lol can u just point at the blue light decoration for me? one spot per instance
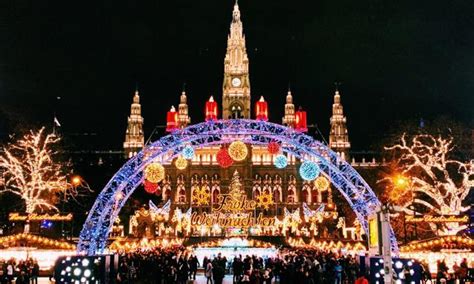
(309, 170)
(280, 161)
(188, 152)
(46, 224)
(95, 231)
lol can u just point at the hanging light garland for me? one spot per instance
(238, 151)
(273, 148)
(280, 161)
(188, 152)
(322, 183)
(154, 172)
(150, 187)
(223, 158)
(181, 163)
(309, 170)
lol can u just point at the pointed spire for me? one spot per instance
(134, 138)
(236, 12)
(338, 135)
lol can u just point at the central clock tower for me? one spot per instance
(236, 85)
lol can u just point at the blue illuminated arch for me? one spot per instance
(359, 195)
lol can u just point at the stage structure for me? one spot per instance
(314, 157)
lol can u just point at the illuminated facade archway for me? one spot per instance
(359, 195)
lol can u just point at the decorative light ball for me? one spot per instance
(155, 172)
(181, 163)
(309, 170)
(188, 152)
(238, 151)
(322, 183)
(150, 187)
(223, 158)
(280, 161)
(273, 148)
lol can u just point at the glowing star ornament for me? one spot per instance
(280, 161)
(201, 196)
(154, 172)
(188, 152)
(223, 158)
(322, 183)
(265, 200)
(150, 187)
(273, 148)
(238, 151)
(309, 170)
(181, 163)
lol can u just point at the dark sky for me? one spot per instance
(395, 59)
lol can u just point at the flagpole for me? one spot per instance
(55, 120)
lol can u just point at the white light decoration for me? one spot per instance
(31, 172)
(426, 161)
(280, 161)
(309, 170)
(399, 264)
(85, 262)
(77, 271)
(87, 273)
(188, 152)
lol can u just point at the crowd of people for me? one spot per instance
(19, 272)
(178, 266)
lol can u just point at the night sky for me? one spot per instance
(396, 60)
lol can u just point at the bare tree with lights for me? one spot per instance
(31, 172)
(434, 182)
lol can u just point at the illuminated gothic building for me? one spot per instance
(256, 172)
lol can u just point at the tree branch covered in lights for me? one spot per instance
(435, 182)
(31, 172)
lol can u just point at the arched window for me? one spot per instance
(236, 111)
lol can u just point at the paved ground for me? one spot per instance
(200, 280)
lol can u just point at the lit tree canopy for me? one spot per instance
(439, 184)
(30, 171)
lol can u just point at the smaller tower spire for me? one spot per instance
(289, 118)
(183, 114)
(338, 136)
(134, 137)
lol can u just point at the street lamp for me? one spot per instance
(402, 182)
(76, 181)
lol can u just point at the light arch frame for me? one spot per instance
(359, 195)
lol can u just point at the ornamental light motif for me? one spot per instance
(211, 109)
(309, 170)
(154, 172)
(238, 151)
(171, 120)
(181, 163)
(261, 109)
(188, 152)
(300, 121)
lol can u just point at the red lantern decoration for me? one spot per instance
(171, 120)
(273, 148)
(150, 187)
(261, 109)
(211, 109)
(223, 158)
(300, 121)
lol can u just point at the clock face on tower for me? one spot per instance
(236, 82)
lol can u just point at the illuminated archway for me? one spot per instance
(359, 195)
